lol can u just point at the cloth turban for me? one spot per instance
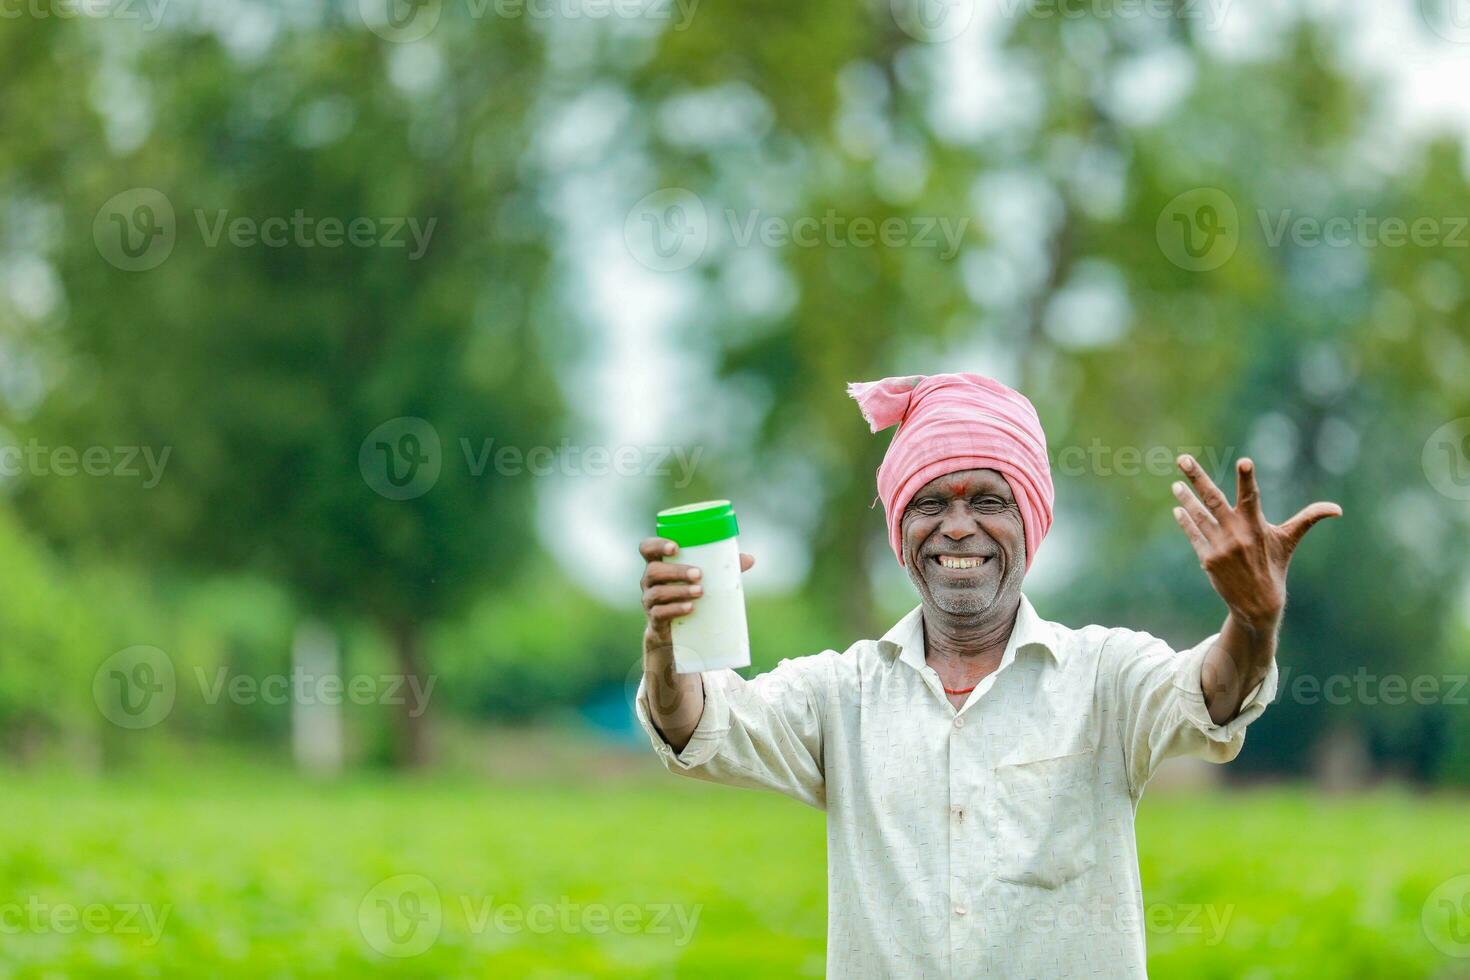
(952, 422)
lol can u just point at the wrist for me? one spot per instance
(1257, 622)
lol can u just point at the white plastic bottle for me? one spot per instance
(714, 636)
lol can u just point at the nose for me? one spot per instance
(955, 525)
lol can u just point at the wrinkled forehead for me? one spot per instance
(966, 483)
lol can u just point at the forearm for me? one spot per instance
(675, 701)
(1238, 662)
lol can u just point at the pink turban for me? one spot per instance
(952, 422)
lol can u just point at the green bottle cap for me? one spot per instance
(701, 523)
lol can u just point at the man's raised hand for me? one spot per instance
(670, 591)
(1244, 556)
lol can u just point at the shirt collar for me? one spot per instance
(905, 641)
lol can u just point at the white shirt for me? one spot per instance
(996, 840)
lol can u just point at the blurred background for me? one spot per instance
(347, 349)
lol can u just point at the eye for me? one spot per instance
(928, 506)
(990, 504)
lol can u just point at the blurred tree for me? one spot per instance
(307, 386)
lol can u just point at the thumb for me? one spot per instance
(746, 561)
(1297, 527)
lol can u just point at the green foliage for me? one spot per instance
(50, 637)
(254, 875)
(517, 652)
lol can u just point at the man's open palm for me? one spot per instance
(1244, 555)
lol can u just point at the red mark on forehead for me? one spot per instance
(959, 488)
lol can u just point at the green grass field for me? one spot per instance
(248, 873)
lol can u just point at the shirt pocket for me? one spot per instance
(1045, 819)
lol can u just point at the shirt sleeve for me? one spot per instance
(762, 733)
(1159, 702)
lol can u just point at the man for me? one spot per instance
(979, 766)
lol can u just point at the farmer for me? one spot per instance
(980, 765)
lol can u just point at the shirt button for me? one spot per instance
(959, 721)
(960, 910)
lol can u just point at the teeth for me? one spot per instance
(950, 562)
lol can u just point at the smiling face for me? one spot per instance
(964, 544)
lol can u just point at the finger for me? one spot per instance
(659, 594)
(655, 549)
(746, 561)
(1205, 487)
(1192, 532)
(1203, 522)
(1296, 528)
(1247, 493)
(663, 571)
(670, 611)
